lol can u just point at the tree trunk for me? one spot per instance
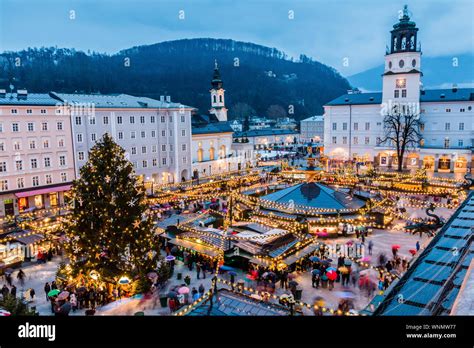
(400, 163)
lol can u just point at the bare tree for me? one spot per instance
(402, 129)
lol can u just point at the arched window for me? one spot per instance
(222, 152)
(220, 98)
(200, 155)
(412, 42)
(404, 43)
(214, 98)
(211, 154)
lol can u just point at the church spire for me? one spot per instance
(404, 33)
(216, 78)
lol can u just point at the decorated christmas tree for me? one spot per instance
(110, 232)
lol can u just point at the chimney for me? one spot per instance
(168, 99)
(3, 93)
(162, 98)
(21, 93)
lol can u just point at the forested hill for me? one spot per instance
(255, 77)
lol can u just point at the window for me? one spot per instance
(152, 119)
(2, 146)
(163, 147)
(334, 126)
(163, 161)
(17, 145)
(133, 135)
(119, 120)
(145, 163)
(461, 126)
(142, 119)
(154, 163)
(46, 144)
(462, 110)
(163, 133)
(91, 119)
(143, 134)
(3, 185)
(35, 180)
(183, 132)
(15, 127)
(134, 150)
(19, 165)
(404, 93)
(43, 111)
(171, 121)
(153, 134)
(183, 147)
(183, 119)
(396, 93)
(401, 83)
(78, 120)
(32, 144)
(20, 183)
(367, 126)
(448, 110)
(105, 119)
(446, 143)
(63, 177)
(132, 119)
(59, 126)
(162, 119)
(80, 155)
(356, 126)
(93, 137)
(334, 140)
(344, 126)
(1, 127)
(14, 111)
(447, 126)
(356, 140)
(79, 137)
(185, 160)
(47, 162)
(171, 133)
(44, 126)
(153, 148)
(61, 143)
(34, 163)
(29, 111)
(171, 149)
(461, 143)
(62, 160)
(422, 127)
(3, 167)
(143, 149)
(344, 140)
(212, 154)
(120, 135)
(367, 140)
(48, 179)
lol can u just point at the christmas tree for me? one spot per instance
(110, 232)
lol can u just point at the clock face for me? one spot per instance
(413, 63)
(401, 63)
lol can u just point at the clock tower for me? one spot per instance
(217, 96)
(402, 73)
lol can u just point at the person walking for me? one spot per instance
(53, 285)
(284, 280)
(32, 293)
(47, 288)
(5, 291)
(198, 269)
(21, 277)
(73, 301)
(8, 278)
(201, 290)
(13, 291)
(417, 245)
(371, 245)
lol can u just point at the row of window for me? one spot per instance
(356, 126)
(35, 181)
(154, 162)
(33, 164)
(355, 140)
(447, 126)
(32, 144)
(30, 111)
(132, 119)
(31, 126)
(133, 135)
(144, 150)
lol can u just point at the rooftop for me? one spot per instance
(319, 118)
(264, 132)
(430, 95)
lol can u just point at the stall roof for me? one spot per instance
(203, 249)
(26, 239)
(300, 253)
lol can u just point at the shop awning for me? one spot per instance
(43, 191)
(195, 246)
(300, 254)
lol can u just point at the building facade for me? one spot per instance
(312, 129)
(36, 152)
(156, 135)
(354, 122)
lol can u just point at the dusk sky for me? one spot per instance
(328, 31)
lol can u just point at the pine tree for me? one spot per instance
(109, 230)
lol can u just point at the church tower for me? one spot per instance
(217, 96)
(402, 73)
